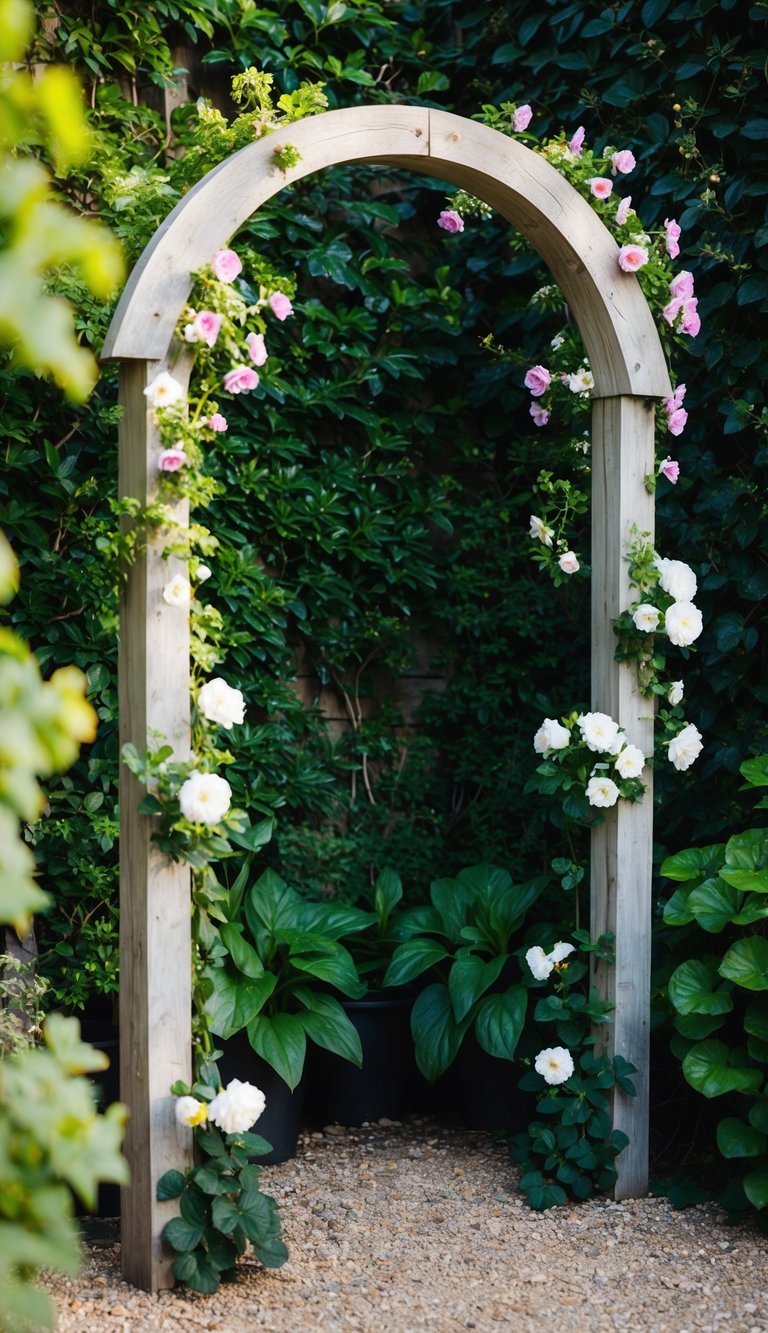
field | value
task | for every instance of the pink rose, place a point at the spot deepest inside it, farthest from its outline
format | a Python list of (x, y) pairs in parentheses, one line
[(568, 562), (522, 118), (538, 380), (632, 257), (240, 379), (206, 326), (672, 309), (226, 265), (450, 221), (280, 305), (170, 460), (622, 212), (673, 230), (691, 320), (217, 422), (676, 421), (681, 286), (540, 414), (600, 186), (577, 142), (669, 469), (257, 348), (671, 404), (623, 161)]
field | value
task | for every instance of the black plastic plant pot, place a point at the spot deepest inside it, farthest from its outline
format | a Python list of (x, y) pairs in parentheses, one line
[(350, 1095)]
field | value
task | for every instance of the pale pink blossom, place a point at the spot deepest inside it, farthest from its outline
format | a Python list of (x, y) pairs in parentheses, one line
[(670, 469), (538, 380), (280, 305), (676, 422), (217, 422), (691, 320), (672, 309), (681, 286), (568, 562), (632, 257), (623, 161), (226, 265), (577, 142), (600, 186), (540, 414), (673, 230), (257, 348), (671, 404), (622, 212), (240, 379), (170, 460), (205, 327), (522, 118), (450, 221)]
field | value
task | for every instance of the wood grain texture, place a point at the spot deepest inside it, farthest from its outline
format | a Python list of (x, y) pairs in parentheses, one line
[(622, 455), (155, 934), (608, 305)]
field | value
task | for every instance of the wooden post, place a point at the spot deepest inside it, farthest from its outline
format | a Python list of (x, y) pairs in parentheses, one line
[(622, 456), (155, 905)]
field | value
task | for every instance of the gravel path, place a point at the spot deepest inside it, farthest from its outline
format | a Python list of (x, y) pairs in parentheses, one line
[(398, 1228)]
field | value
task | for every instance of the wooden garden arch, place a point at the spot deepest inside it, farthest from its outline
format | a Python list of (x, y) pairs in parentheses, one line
[(629, 372)]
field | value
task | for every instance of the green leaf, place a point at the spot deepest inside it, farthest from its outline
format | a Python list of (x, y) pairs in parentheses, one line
[(233, 1001), (694, 862), (746, 861), (676, 909), (387, 894), (714, 904), (469, 978), (499, 1022), (243, 954), (452, 899), (282, 1042), (735, 1139), (170, 1185), (756, 1018), (713, 1068), (758, 1114), (198, 1272), (756, 771), (411, 958), (326, 1024), (182, 1235), (436, 1034), (698, 1026), (746, 963), (755, 1187), (336, 967), (691, 990), (271, 904)]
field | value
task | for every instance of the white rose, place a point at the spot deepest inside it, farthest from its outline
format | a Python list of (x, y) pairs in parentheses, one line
[(551, 736), (568, 562), (204, 798), (677, 579), (219, 702), (675, 692), (164, 391), (685, 747), (598, 730), (646, 617), (540, 963), (540, 532), (177, 592), (189, 1111), (630, 762), (618, 744), (683, 623), (237, 1107), (582, 382), (560, 951), (555, 1064), (602, 792)]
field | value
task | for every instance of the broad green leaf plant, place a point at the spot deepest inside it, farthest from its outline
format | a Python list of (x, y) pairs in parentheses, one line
[(719, 997)]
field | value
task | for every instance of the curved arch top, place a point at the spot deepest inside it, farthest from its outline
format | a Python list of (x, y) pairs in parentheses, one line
[(608, 305)]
